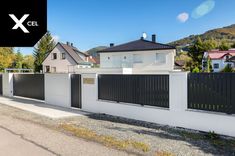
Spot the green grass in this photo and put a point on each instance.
(85, 133)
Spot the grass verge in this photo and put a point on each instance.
(164, 153)
(106, 140)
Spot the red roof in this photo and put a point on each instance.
(216, 54)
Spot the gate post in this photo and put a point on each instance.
(178, 91)
(89, 86)
(7, 83)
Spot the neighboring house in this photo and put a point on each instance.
(139, 54)
(219, 59)
(66, 58)
(232, 60)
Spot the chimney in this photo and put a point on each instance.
(154, 38)
(142, 38)
(111, 44)
(68, 43)
(71, 44)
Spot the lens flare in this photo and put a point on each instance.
(203, 9)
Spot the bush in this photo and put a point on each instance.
(196, 70)
(227, 69)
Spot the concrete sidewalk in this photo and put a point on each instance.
(41, 108)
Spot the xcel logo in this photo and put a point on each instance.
(19, 22)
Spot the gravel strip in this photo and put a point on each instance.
(160, 138)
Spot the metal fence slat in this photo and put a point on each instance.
(29, 85)
(212, 92)
(152, 90)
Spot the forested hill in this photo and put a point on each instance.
(225, 33)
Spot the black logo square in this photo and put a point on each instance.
(23, 22)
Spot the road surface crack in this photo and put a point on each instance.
(31, 141)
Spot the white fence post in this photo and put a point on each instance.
(178, 91)
(58, 89)
(7, 89)
(89, 92)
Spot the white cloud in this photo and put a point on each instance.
(56, 38)
(183, 17)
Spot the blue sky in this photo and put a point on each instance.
(91, 23)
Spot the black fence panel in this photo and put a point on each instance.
(76, 93)
(29, 85)
(152, 90)
(212, 92)
(1, 84)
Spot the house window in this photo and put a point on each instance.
(47, 69)
(137, 58)
(54, 56)
(124, 57)
(216, 66)
(63, 56)
(160, 58)
(53, 69)
(108, 58)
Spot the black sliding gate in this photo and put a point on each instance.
(212, 92)
(29, 85)
(152, 90)
(76, 94)
(1, 84)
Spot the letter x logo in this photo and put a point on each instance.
(19, 23)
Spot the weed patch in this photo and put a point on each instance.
(106, 140)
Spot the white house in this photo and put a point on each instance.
(219, 59)
(65, 58)
(140, 54)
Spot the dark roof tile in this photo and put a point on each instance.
(138, 45)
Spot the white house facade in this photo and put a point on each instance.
(219, 59)
(140, 54)
(65, 58)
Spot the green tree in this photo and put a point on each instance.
(43, 47)
(208, 66)
(224, 46)
(28, 62)
(18, 60)
(196, 70)
(233, 45)
(6, 58)
(210, 44)
(196, 51)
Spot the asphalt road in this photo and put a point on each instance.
(14, 145)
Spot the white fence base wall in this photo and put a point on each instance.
(58, 89)
(7, 88)
(177, 115)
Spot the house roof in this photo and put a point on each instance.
(138, 45)
(180, 63)
(72, 52)
(216, 54)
